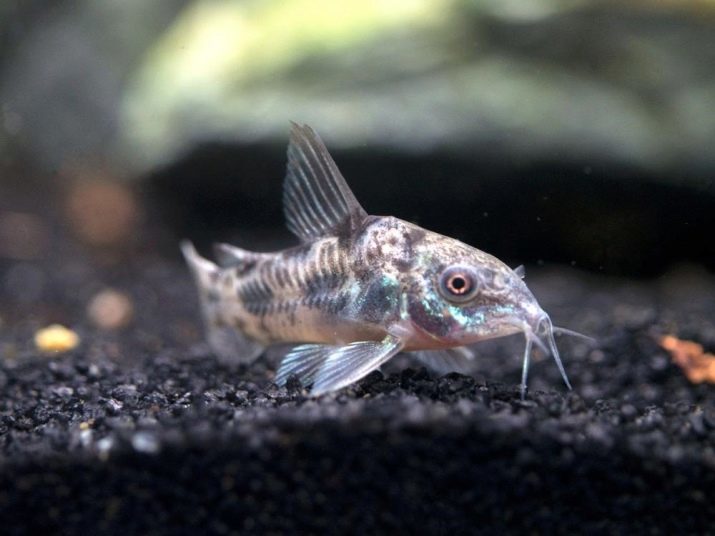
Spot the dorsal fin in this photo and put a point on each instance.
(316, 199)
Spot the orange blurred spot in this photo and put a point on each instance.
(697, 365)
(102, 212)
(110, 309)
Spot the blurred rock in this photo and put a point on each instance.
(110, 309)
(102, 213)
(603, 82)
(524, 80)
(56, 339)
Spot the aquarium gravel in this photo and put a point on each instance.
(144, 431)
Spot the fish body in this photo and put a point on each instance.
(358, 289)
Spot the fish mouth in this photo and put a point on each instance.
(539, 332)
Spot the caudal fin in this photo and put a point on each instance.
(227, 342)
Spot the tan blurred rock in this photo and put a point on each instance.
(101, 212)
(110, 309)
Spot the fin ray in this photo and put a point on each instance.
(303, 361)
(316, 199)
(350, 363)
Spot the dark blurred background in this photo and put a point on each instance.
(543, 131)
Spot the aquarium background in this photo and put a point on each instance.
(545, 131)
(574, 137)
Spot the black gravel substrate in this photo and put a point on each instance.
(143, 432)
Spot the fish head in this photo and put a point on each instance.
(460, 295)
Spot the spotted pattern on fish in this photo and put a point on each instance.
(358, 289)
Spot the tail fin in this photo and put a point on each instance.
(227, 342)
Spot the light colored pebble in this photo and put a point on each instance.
(56, 339)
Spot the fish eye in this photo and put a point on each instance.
(458, 284)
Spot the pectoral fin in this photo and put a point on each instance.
(304, 362)
(350, 363)
(332, 367)
(449, 360)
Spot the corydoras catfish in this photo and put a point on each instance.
(359, 288)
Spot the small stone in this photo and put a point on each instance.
(145, 442)
(63, 391)
(85, 438)
(114, 406)
(56, 339)
(629, 411)
(104, 446)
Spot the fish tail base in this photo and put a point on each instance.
(229, 344)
